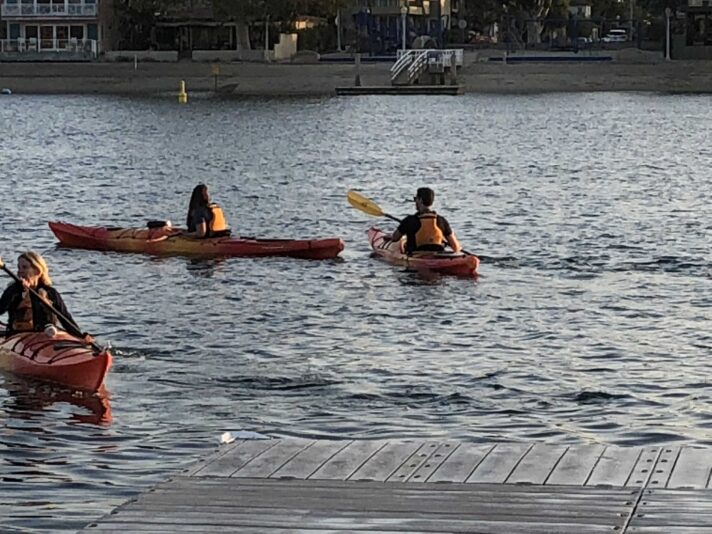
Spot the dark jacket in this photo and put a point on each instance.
(41, 315)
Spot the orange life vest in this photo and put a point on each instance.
(429, 235)
(218, 224)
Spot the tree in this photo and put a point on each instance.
(136, 20)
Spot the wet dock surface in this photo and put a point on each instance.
(429, 486)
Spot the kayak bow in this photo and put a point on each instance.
(62, 359)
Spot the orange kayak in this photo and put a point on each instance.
(62, 359)
(167, 240)
(456, 264)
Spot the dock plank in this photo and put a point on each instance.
(386, 461)
(310, 459)
(499, 464)
(614, 467)
(381, 507)
(670, 511)
(428, 486)
(434, 462)
(461, 462)
(273, 458)
(644, 467)
(414, 462)
(226, 464)
(663, 467)
(345, 463)
(576, 466)
(537, 464)
(692, 469)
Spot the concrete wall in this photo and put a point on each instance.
(216, 55)
(680, 50)
(142, 55)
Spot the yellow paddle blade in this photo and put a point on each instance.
(366, 205)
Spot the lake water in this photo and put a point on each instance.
(590, 323)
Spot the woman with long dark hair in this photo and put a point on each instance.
(205, 218)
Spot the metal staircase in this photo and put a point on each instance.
(412, 64)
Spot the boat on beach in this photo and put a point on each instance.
(60, 358)
(450, 263)
(167, 240)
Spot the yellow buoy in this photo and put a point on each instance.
(182, 95)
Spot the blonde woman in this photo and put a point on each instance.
(25, 310)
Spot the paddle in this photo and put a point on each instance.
(366, 205)
(74, 329)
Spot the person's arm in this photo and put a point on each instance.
(453, 242)
(201, 230)
(55, 299)
(68, 322)
(402, 229)
(5, 300)
(450, 236)
(395, 236)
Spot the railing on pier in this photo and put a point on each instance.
(48, 10)
(417, 61)
(25, 47)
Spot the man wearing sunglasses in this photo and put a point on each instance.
(426, 230)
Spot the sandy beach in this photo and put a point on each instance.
(636, 71)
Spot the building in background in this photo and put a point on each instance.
(51, 29)
(378, 24)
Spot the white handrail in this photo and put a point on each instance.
(31, 45)
(417, 60)
(403, 59)
(418, 65)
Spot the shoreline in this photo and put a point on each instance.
(321, 79)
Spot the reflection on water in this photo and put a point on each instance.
(589, 322)
(28, 398)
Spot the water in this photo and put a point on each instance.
(590, 322)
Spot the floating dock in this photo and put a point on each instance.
(401, 90)
(319, 486)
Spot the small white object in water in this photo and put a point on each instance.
(6, 91)
(229, 437)
(226, 438)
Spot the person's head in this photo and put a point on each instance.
(200, 196)
(198, 199)
(424, 197)
(33, 268)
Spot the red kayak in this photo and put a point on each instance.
(167, 240)
(457, 264)
(62, 359)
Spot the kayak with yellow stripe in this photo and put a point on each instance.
(166, 240)
(60, 358)
(457, 264)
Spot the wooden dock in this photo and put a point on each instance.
(295, 485)
(400, 90)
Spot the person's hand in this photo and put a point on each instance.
(87, 338)
(2, 263)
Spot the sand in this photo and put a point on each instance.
(633, 71)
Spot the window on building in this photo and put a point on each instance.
(76, 32)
